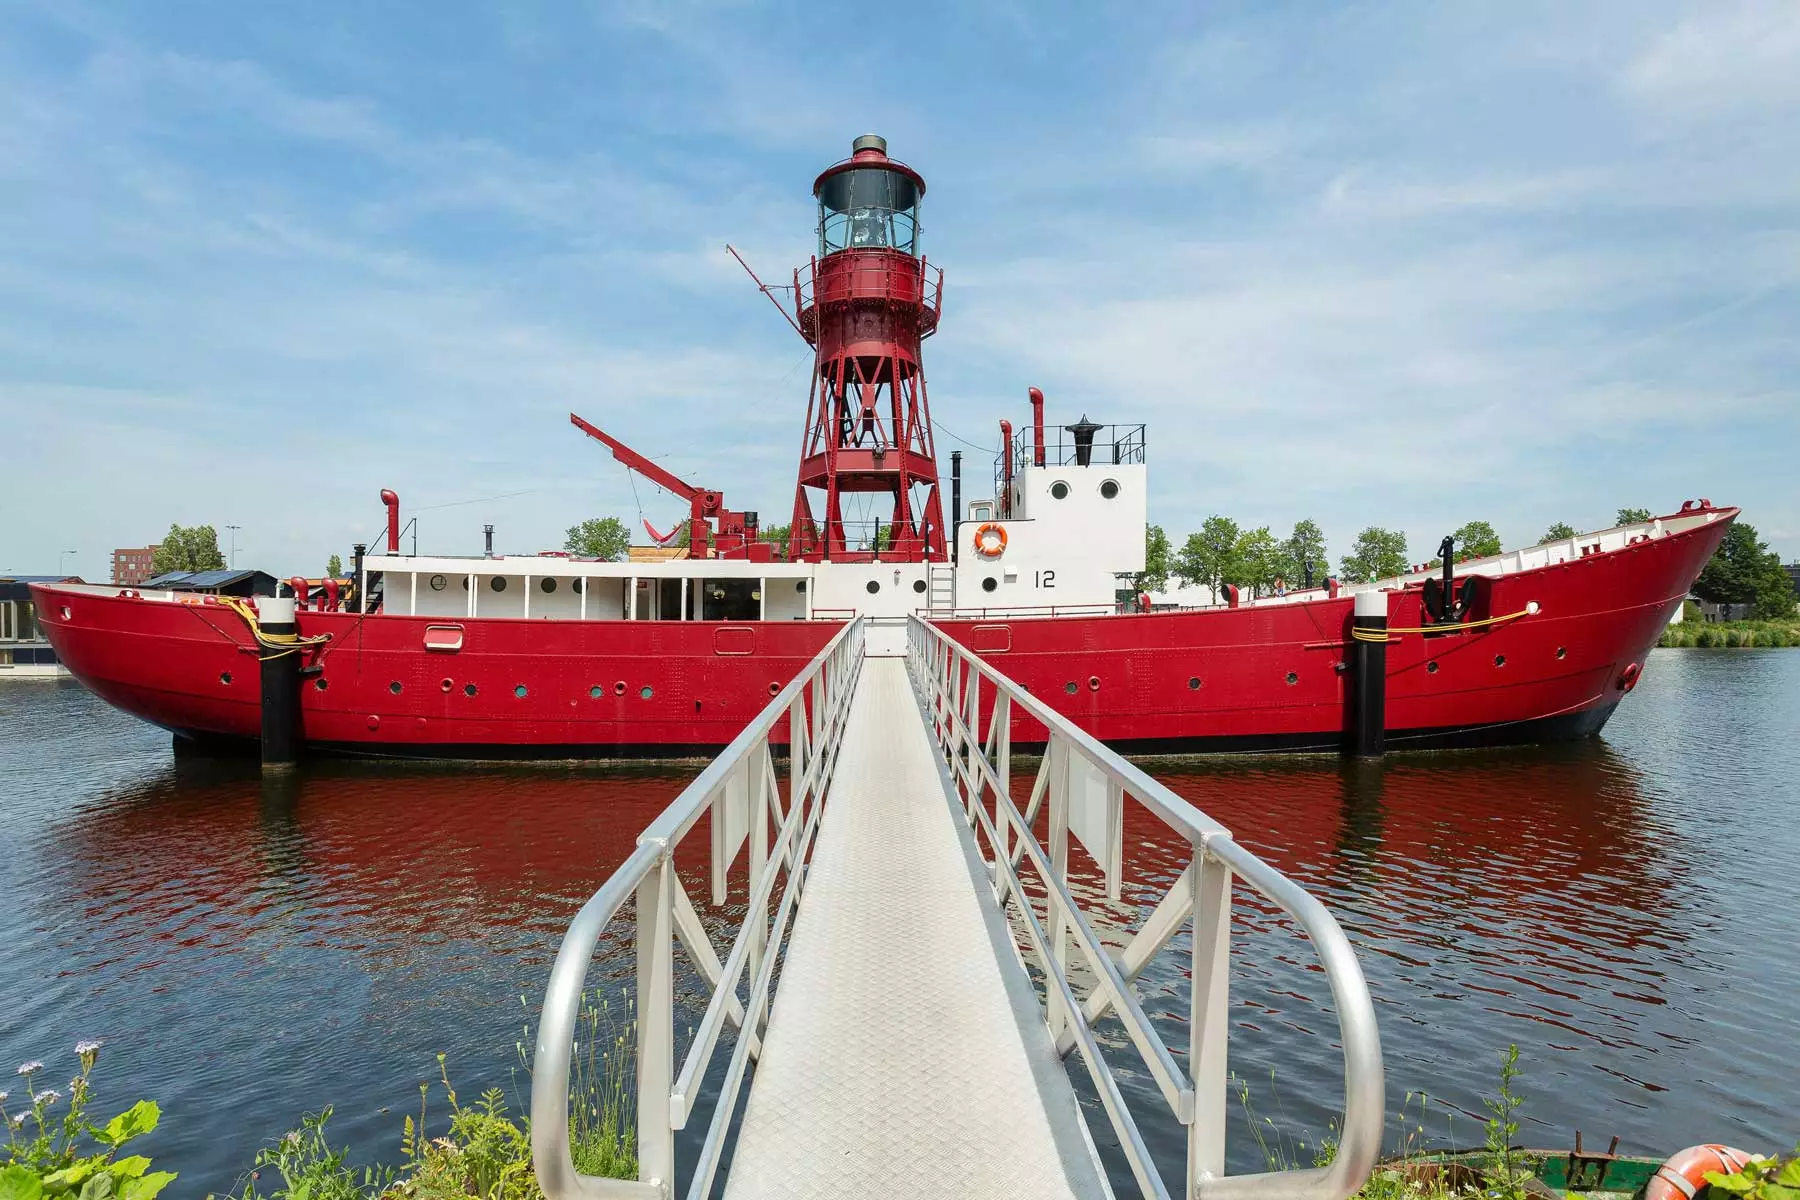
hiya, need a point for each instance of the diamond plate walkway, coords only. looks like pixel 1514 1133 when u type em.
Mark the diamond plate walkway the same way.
pixel 907 1053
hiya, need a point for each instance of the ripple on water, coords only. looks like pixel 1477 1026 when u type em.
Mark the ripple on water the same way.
pixel 254 952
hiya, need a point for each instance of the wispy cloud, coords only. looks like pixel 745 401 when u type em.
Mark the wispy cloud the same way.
pixel 1406 265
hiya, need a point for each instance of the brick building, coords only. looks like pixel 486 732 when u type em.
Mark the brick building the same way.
pixel 132 566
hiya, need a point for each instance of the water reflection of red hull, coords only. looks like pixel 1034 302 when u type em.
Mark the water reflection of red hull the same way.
pixel 1264 677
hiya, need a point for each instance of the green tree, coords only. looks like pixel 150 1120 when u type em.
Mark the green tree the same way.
pixel 1744 571
pixel 1558 532
pixel 1377 554
pixel 1210 556
pixel 194 548
pixel 334 566
pixel 1632 516
pixel 604 538
pixel 779 535
pixel 1477 539
pixel 1155 575
pixel 1258 559
pixel 1305 548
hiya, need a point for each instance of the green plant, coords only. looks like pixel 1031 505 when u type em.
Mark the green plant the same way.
pixel 602 1129
pixel 486 1154
pixel 309 1169
pixel 1505 1177
pixel 1762 1179
pixel 49 1157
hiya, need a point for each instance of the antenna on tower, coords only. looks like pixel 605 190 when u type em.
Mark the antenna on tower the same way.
pixel 765 289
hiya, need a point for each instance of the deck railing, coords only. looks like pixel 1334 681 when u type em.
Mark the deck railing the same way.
pixel 1085 787
pixel 739 794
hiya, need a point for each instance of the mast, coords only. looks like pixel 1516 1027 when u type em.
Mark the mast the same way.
pixel 865 302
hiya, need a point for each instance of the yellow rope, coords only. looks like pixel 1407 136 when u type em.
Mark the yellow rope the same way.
pixel 1381 635
pixel 282 643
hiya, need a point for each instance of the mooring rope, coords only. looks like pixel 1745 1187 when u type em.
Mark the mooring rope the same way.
pixel 1381 635
pixel 281 643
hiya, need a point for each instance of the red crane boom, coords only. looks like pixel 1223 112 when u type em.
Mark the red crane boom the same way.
pixel 737 530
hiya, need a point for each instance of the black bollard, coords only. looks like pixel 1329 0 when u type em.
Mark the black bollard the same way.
pixel 280 688
pixel 1368 675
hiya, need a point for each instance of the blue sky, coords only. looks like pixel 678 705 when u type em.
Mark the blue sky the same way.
pixel 1405 264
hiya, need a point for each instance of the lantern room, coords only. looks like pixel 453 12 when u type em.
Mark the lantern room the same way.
pixel 869 202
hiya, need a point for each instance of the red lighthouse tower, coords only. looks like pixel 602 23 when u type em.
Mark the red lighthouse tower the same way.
pixel 864 303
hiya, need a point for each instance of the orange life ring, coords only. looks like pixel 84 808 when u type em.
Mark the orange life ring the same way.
pixel 994 548
pixel 1684 1172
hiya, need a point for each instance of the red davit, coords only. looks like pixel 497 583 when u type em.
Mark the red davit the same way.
pixel 864 304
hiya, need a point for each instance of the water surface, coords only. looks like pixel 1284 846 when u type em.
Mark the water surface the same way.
pixel 1625 910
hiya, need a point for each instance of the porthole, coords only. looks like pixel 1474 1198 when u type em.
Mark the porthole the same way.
pixel 1431 667
pixel 918 585
pixel 321 683
pixel 446 684
pixel 468 689
pixel 799 585
pixel 619 688
pixel 394 687
pixel 1193 683
pixel 1059 490
pixel 1093 683
pixel 547 585
pixel 225 677
pixel 465 583
pixel 645 692
pixel 578 586
pixel 1562 652
pixel 873 586
pixel 1293 677
pixel 438 582
pixel 1070 687
pixel 498 583
pixel 1109 489
pixel 595 692
pixel 989 584
pixel 519 691
pixel 1499 660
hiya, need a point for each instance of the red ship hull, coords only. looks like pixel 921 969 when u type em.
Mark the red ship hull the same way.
pixel 1258 678
pixel 1272 678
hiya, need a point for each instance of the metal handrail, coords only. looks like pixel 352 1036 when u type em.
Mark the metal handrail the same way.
pixel 1084 785
pixel 738 792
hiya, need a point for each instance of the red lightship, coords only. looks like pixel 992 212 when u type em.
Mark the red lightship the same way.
pixel 552 656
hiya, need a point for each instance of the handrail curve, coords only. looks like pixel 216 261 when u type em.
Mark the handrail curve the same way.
pixel 742 779
pixel 1083 782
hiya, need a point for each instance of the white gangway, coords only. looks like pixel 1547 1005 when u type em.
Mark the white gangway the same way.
pixel 878 992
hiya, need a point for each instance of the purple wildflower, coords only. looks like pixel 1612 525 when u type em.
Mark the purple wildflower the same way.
pixel 30 1068
pixel 91 1046
pixel 47 1097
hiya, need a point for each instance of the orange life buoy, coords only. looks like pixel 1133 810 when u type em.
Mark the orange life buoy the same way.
pixel 990 540
pixel 1684 1172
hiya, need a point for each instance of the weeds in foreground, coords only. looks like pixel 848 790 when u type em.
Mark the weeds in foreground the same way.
pixel 1500 1176
pixel 486 1152
pixel 602 1128
pixel 1506 1179
pixel 1762 1179
pixel 50 1156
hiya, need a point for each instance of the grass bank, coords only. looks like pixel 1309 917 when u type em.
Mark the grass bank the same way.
pixel 1731 634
